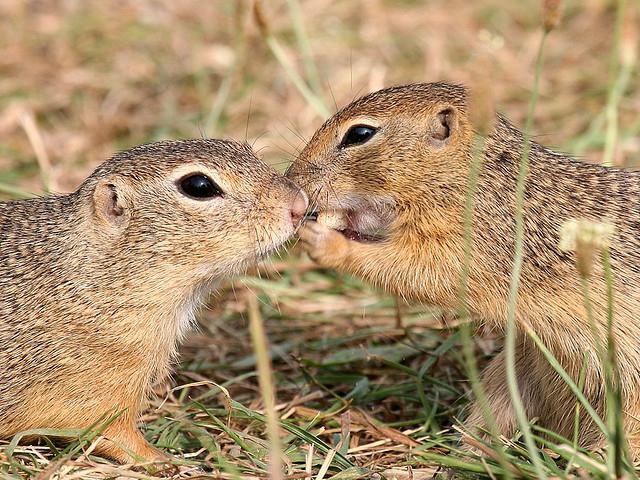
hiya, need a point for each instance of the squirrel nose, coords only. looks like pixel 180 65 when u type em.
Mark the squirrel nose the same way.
pixel 298 207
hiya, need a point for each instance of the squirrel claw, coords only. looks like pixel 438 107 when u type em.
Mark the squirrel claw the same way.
pixel 325 246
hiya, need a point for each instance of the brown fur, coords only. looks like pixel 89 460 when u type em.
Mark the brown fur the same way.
pixel 91 311
pixel 424 183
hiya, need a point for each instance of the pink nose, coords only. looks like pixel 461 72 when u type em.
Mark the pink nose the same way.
pixel 298 207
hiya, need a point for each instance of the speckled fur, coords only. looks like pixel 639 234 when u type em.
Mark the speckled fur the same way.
pixel 423 255
pixel 91 314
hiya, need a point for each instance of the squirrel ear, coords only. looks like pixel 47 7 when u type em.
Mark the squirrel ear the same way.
pixel 442 125
pixel 109 203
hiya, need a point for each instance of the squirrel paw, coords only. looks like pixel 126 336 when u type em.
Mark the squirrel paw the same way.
pixel 325 246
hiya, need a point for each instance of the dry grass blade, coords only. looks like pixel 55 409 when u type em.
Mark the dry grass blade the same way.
pixel 265 376
pixel 35 138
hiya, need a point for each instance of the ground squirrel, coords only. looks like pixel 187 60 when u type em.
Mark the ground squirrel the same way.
pixel 389 174
pixel 98 287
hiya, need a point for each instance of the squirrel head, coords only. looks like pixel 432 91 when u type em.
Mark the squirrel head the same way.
pixel 398 152
pixel 187 211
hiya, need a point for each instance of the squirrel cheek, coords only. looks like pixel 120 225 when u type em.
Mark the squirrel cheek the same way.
pixel 333 219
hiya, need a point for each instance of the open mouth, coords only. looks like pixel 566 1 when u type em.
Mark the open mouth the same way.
pixel 361 236
pixel 364 225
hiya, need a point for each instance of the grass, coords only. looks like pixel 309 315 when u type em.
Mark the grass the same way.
pixel 357 394
pixel 374 368
pixel 518 258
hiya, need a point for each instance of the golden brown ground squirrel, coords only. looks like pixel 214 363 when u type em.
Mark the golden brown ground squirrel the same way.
pixel 98 287
pixel 389 174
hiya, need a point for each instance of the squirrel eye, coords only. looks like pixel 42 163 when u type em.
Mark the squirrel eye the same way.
pixel 357 135
pixel 199 186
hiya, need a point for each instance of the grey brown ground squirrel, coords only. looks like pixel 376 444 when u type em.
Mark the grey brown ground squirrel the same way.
pixel 98 287
pixel 388 175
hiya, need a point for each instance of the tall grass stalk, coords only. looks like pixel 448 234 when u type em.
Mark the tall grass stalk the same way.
pixel 591 238
pixel 28 123
pixel 12 191
pixel 212 120
pixel 510 340
pixel 622 65
pixel 621 73
pixel 279 54
pixel 617 442
pixel 303 44
pixel 610 389
pixel 265 378
pixel 463 312
pixel 576 420
pixel 566 378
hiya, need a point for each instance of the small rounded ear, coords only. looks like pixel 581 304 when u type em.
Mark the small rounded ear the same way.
pixel 110 204
pixel 441 126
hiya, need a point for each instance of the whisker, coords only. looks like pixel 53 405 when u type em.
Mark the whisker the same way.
pixel 258 138
pixel 292 129
pixel 246 128
pixel 335 195
pixel 335 104
pixel 296 149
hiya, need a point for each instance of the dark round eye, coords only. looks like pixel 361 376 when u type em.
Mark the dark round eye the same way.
pixel 199 186
pixel 357 135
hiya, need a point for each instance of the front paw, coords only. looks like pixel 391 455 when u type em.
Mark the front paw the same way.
pixel 325 246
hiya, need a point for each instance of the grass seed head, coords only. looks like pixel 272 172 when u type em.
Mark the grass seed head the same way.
pixel 552 11
pixel 585 238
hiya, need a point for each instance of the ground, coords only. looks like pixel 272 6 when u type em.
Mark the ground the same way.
pixel 365 385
